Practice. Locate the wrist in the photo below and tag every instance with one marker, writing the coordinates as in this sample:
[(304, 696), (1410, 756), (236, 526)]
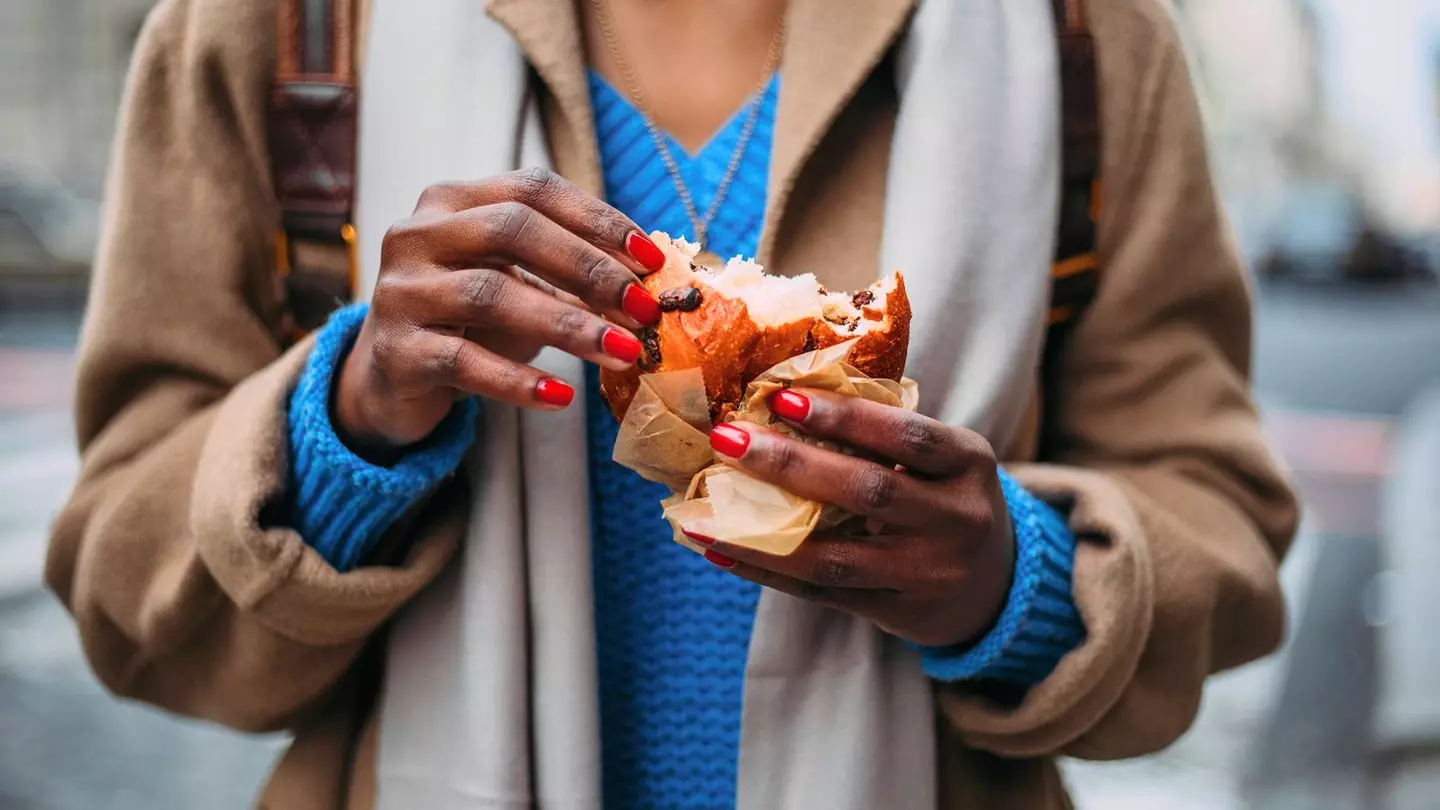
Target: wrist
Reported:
[(993, 591), (993, 578), (364, 413), (348, 412), (1039, 623)]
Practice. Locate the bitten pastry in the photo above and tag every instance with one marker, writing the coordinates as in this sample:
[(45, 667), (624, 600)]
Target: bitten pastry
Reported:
[(736, 323)]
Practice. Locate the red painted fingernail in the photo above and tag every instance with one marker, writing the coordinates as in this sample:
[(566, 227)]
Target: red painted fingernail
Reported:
[(642, 250), (699, 538), (790, 405), (554, 392), (621, 345), (719, 559), (640, 305), (729, 440)]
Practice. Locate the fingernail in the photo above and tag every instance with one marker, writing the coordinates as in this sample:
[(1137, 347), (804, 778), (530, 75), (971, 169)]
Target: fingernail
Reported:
[(640, 305), (552, 391), (642, 250), (719, 559), (699, 538), (790, 405), (621, 345), (729, 440)]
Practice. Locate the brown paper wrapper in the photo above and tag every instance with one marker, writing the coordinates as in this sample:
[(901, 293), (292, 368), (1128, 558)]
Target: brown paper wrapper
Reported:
[(665, 437)]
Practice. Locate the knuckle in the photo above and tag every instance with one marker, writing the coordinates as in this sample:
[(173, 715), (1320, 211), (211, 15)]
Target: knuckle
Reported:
[(400, 240), (613, 225), (483, 292), (439, 196), (503, 224), (975, 448), (596, 270), (921, 437), (838, 567), (385, 352), (875, 489), (510, 378), (534, 185), (783, 458), (390, 291), (446, 363), (573, 326)]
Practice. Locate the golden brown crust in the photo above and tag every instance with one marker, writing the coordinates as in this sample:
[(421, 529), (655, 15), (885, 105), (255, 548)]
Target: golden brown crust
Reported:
[(881, 352), (776, 345)]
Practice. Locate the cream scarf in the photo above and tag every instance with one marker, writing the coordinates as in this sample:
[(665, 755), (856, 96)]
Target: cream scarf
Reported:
[(490, 697)]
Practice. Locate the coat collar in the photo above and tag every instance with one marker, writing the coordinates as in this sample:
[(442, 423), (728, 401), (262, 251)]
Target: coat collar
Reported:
[(831, 46)]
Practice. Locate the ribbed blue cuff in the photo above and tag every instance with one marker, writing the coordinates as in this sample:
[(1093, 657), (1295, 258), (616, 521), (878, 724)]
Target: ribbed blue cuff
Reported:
[(340, 503), (1039, 624)]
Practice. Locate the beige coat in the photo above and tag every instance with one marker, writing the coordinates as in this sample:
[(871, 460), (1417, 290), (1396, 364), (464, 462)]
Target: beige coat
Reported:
[(189, 596)]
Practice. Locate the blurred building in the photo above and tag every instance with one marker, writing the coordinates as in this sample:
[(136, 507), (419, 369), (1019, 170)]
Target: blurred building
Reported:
[(1325, 122), (62, 69)]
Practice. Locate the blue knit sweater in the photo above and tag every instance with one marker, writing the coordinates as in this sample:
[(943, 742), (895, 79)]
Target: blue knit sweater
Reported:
[(672, 630)]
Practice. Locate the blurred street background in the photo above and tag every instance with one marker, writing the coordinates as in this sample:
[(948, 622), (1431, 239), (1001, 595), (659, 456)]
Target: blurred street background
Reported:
[(1325, 123)]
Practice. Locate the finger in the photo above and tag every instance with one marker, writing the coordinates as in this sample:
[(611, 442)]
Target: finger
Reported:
[(827, 561), (494, 300), (919, 443), (425, 359), (545, 286), (859, 602), (856, 485), (512, 233), (580, 213)]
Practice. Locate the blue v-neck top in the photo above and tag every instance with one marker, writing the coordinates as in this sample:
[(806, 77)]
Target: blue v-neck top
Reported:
[(672, 630)]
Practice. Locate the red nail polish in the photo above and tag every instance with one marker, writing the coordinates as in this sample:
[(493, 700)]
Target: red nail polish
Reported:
[(790, 405), (729, 440), (719, 559), (554, 392), (699, 538), (621, 345), (642, 250), (640, 305)]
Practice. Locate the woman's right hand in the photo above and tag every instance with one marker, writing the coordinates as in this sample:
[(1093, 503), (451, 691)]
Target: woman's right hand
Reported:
[(471, 286)]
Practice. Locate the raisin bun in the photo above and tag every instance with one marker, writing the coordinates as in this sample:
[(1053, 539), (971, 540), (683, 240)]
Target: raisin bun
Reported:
[(734, 324)]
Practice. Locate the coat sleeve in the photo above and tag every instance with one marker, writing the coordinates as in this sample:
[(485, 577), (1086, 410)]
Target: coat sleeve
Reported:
[(1180, 510), (186, 592)]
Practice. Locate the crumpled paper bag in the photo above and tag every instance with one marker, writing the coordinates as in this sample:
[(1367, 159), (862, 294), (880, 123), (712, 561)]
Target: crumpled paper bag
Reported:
[(665, 437)]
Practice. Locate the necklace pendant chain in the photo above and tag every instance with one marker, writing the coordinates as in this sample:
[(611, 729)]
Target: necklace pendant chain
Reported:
[(637, 94)]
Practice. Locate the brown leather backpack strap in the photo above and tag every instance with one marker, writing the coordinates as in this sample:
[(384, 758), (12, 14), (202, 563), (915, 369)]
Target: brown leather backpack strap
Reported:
[(312, 130), (1075, 274)]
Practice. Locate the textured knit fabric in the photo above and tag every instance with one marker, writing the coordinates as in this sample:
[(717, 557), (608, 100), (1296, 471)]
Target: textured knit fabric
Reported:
[(181, 416), (670, 626), (671, 629), (340, 503), (1039, 623), (637, 182)]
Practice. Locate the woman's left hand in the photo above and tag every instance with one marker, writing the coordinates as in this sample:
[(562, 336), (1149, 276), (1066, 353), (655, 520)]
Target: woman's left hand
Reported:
[(939, 571)]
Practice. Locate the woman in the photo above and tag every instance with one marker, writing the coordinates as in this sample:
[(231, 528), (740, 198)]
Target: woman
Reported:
[(251, 521)]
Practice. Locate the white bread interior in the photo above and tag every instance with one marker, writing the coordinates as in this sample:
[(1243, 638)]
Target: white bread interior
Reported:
[(749, 320)]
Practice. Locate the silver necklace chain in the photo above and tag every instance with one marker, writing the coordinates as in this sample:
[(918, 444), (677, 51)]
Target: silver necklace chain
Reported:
[(637, 93)]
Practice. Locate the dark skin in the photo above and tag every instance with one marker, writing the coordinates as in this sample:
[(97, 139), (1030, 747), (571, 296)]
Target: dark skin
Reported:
[(934, 567), (453, 313), (662, 41), (488, 272)]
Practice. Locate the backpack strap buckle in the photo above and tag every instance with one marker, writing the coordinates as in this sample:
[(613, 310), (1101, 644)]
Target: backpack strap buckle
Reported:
[(312, 127)]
